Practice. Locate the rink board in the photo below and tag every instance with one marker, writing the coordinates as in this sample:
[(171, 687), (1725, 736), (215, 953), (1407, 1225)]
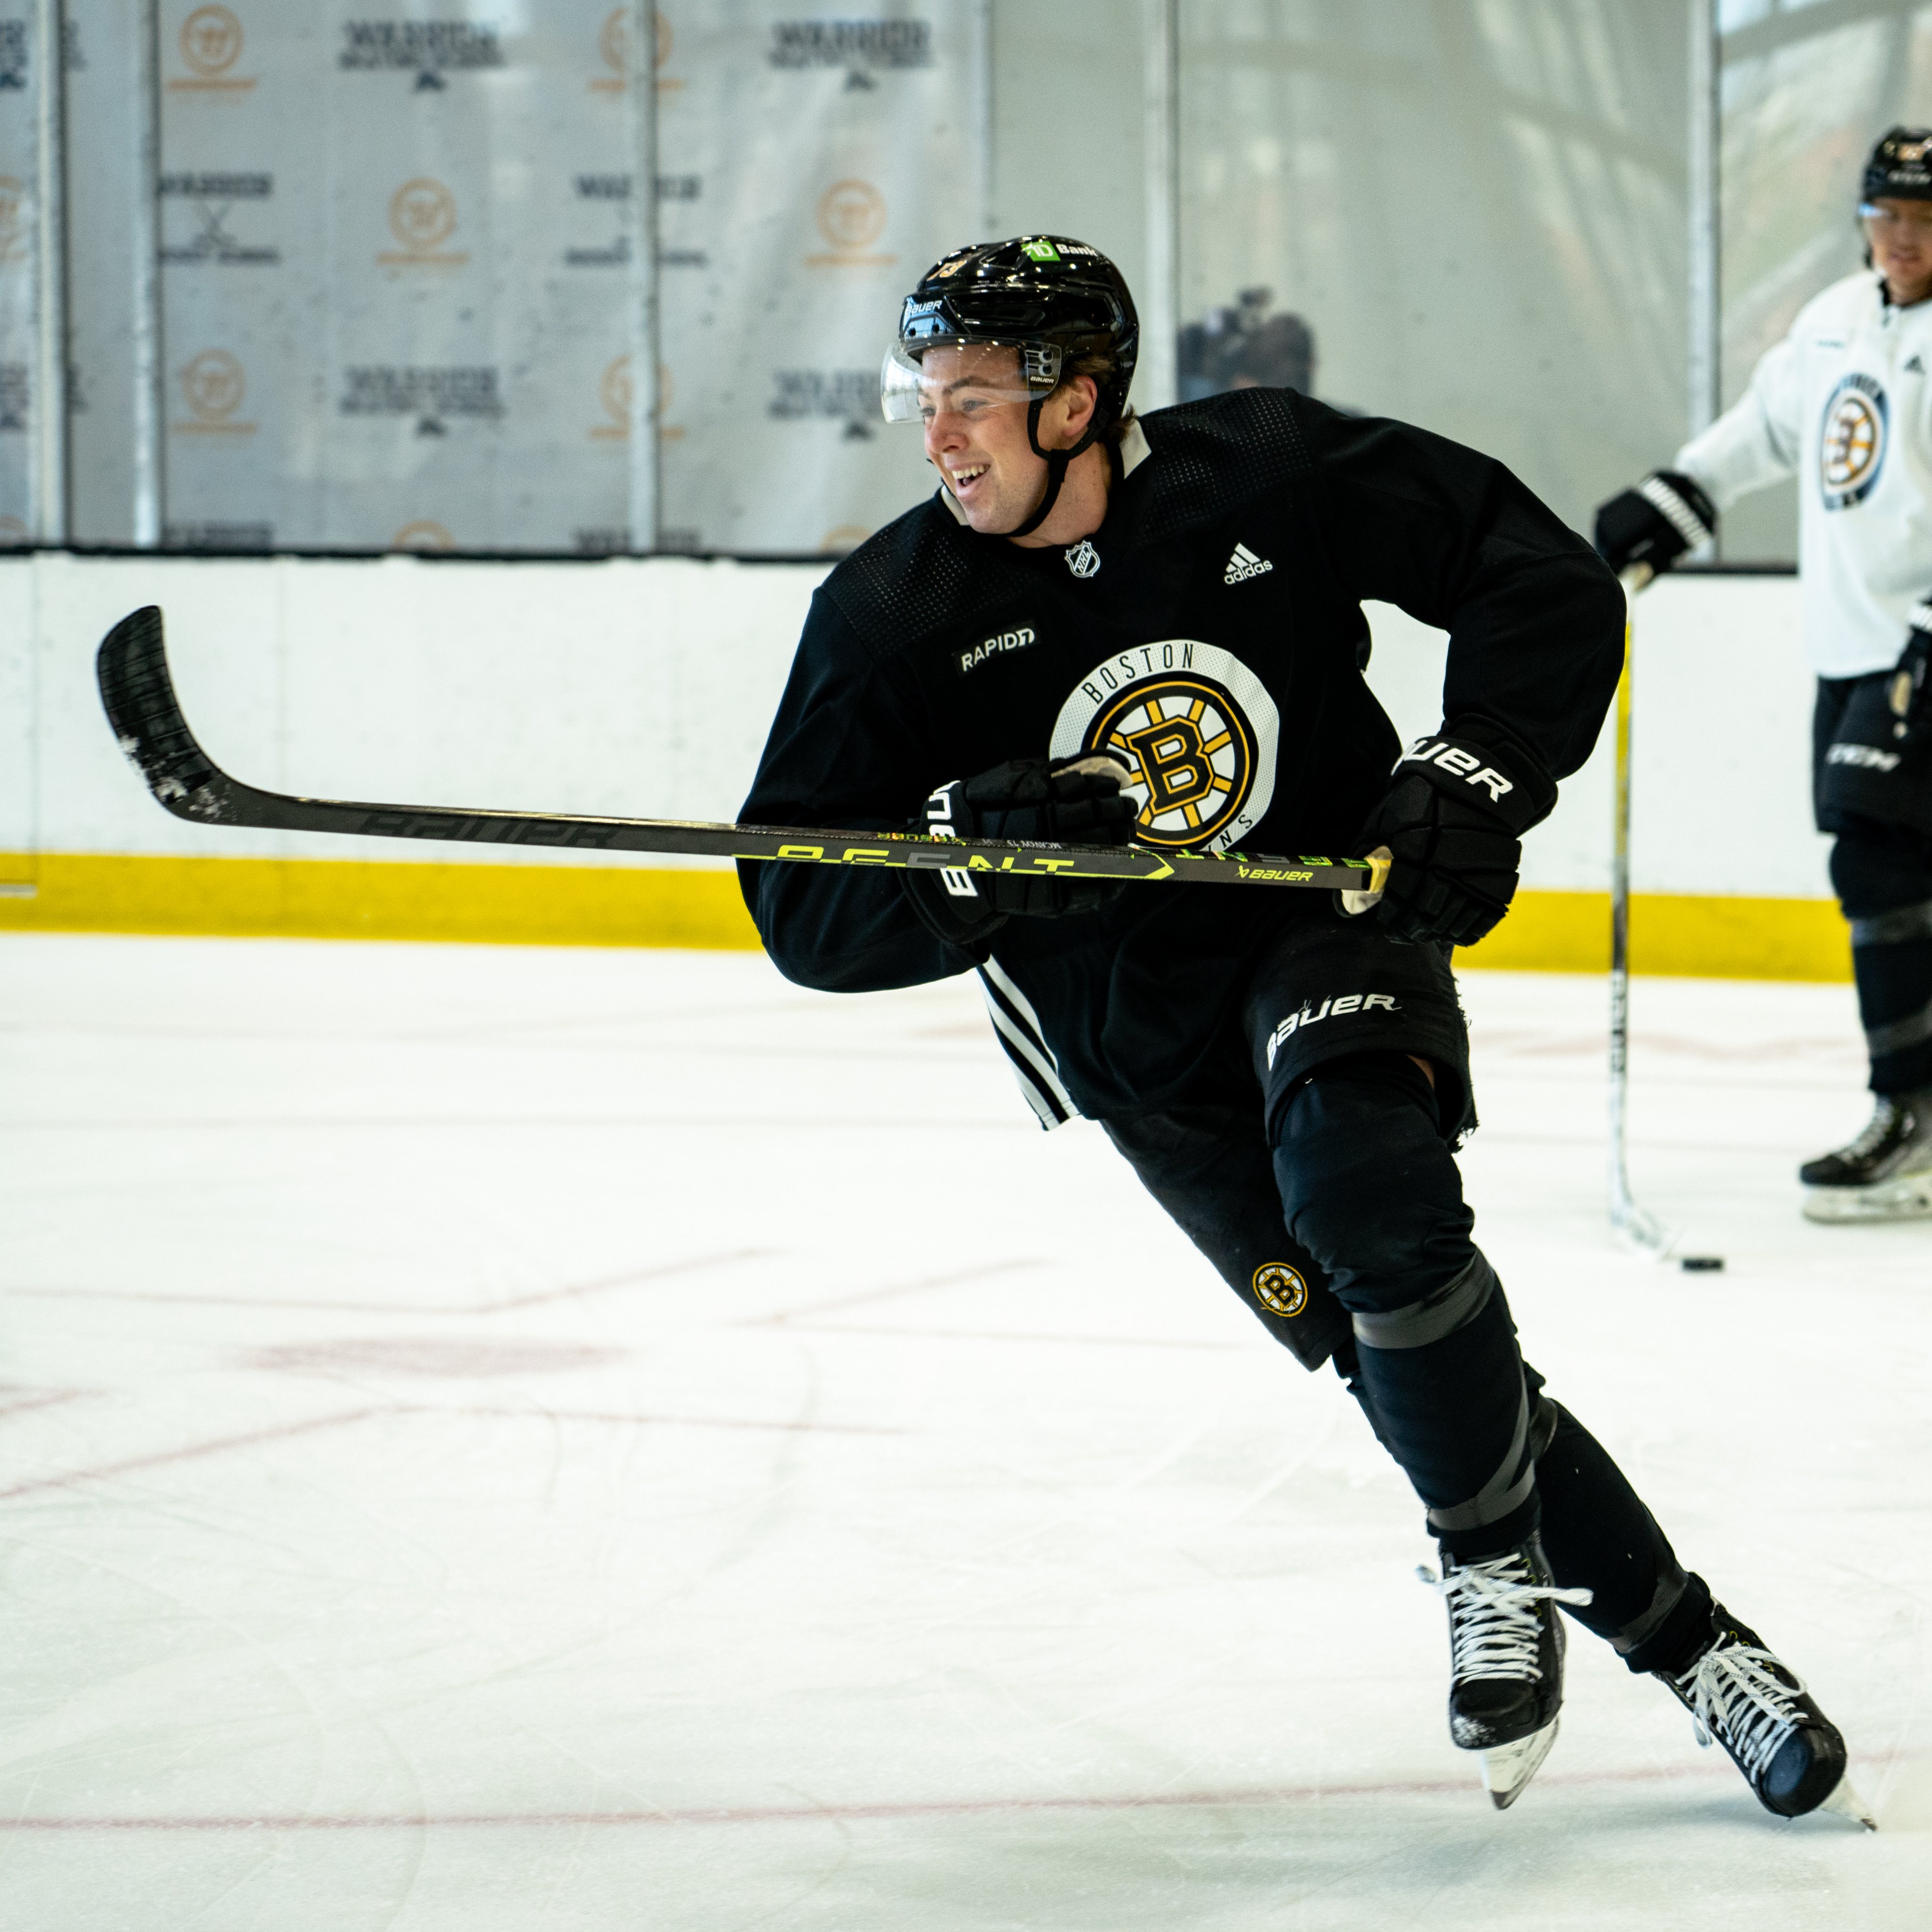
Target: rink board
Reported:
[(644, 687), (296, 898)]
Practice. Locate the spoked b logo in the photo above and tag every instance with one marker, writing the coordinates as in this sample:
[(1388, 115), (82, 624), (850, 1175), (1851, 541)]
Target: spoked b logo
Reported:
[(1196, 730)]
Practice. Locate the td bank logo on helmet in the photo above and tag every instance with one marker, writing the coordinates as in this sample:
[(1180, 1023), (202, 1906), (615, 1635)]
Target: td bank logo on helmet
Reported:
[(1197, 731)]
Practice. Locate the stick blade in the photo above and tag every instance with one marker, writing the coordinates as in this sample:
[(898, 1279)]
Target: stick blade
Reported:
[(139, 693)]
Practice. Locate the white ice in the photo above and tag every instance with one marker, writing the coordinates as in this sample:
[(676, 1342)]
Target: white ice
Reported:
[(510, 1438)]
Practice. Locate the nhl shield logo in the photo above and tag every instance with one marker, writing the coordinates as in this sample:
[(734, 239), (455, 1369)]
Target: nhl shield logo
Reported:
[(1083, 559)]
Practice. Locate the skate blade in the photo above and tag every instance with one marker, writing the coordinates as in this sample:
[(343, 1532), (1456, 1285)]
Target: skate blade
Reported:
[(1848, 1804), (1907, 1199), (1507, 1768)]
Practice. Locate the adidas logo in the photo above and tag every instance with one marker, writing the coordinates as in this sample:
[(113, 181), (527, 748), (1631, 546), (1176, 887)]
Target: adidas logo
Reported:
[(1243, 564)]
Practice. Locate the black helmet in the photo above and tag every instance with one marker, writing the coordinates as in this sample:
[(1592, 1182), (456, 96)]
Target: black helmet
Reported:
[(1049, 298), (1900, 167)]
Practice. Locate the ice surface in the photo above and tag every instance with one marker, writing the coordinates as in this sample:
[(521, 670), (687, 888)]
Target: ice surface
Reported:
[(523, 1439)]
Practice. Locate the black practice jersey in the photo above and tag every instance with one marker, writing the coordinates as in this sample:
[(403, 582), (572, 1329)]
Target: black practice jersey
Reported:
[(1210, 634)]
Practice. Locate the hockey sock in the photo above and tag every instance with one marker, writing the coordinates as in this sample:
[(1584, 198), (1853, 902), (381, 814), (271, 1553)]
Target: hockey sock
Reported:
[(1883, 874), (1598, 1535), (1369, 1187), (1681, 1639), (1894, 983)]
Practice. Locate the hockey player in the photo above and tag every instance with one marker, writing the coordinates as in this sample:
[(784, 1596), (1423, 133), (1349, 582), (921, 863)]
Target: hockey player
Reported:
[(1845, 400), (1099, 629)]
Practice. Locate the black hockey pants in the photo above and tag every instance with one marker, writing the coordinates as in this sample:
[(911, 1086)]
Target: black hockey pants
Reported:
[(1349, 1237)]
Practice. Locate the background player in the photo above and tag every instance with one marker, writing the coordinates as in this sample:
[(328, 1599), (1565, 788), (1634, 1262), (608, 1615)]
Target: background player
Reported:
[(1845, 400), (1087, 600)]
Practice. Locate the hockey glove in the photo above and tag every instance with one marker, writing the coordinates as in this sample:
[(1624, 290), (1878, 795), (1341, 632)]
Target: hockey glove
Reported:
[(1910, 706), (1655, 523), (1453, 821), (1073, 802)]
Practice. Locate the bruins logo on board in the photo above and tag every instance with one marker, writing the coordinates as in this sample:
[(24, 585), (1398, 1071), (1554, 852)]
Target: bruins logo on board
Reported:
[(1851, 451), (1197, 731), (1280, 1289)]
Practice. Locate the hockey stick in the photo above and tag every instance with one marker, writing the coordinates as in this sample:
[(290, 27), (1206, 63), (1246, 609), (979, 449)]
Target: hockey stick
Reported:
[(1636, 1226), (139, 697)]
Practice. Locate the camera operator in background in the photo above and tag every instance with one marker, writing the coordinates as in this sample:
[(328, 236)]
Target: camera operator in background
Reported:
[(1845, 401), (1245, 347)]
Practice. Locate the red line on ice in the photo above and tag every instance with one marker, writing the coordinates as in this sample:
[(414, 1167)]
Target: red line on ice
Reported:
[(806, 1814), (100, 1472), (635, 1277)]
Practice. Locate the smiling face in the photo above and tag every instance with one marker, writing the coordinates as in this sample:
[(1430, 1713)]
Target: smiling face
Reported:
[(973, 403), (1900, 235)]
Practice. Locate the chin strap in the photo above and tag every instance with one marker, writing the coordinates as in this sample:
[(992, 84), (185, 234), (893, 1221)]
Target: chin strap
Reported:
[(1056, 462)]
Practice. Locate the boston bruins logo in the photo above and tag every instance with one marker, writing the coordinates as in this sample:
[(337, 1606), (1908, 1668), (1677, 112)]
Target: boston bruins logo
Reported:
[(1280, 1288), (1851, 451), (1197, 731)]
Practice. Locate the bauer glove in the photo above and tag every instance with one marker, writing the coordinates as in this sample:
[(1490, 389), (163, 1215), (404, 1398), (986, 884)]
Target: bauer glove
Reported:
[(1070, 802), (1655, 523), (1453, 822), (1906, 691)]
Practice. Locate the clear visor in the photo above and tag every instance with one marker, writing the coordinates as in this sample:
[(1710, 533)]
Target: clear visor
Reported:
[(1902, 218), (919, 381)]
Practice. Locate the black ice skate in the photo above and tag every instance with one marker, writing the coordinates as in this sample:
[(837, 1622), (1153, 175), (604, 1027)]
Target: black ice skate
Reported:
[(1886, 1174), (1505, 1661), (1792, 1755)]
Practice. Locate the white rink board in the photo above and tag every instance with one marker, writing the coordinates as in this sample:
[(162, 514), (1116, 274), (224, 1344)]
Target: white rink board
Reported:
[(645, 688), (460, 1477)]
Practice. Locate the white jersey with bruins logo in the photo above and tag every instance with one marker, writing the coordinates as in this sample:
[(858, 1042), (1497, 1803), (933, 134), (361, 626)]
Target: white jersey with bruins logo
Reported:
[(1844, 400)]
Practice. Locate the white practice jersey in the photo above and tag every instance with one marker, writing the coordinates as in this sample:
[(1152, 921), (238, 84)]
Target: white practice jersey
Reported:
[(1845, 400)]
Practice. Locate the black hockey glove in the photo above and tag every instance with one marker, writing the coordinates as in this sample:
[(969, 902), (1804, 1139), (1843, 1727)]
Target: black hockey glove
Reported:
[(1655, 523), (1453, 821), (1907, 693), (1071, 801)]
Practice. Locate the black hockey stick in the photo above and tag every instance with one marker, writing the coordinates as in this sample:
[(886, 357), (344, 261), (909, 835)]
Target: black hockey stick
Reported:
[(139, 695)]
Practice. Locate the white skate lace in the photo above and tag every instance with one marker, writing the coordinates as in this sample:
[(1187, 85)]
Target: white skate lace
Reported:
[(1871, 1136), (1736, 1696), (1494, 1629)]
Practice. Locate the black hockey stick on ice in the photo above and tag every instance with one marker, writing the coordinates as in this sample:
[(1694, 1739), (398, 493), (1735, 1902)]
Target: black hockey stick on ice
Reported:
[(139, 695)]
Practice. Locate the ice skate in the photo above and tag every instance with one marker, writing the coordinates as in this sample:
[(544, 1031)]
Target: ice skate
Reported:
[(1745, 1698), (1506, 1662), (1886, 1174)]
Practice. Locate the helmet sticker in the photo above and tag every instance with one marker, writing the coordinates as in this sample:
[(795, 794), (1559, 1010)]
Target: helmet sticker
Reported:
[(1041, 250), (1196, 730), (1852, 444)]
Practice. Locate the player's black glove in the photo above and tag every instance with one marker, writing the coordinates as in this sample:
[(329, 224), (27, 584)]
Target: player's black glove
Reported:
[(1911, 705), (1453, 821), (1655, 523), (1070, 801)]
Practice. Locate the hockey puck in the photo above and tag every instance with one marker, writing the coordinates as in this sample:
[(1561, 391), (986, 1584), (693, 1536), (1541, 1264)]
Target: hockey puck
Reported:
[(1703, 1264)]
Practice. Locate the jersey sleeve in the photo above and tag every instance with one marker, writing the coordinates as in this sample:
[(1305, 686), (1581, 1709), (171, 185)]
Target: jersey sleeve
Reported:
[(842, 751), (1756, 440), (1535, 618)]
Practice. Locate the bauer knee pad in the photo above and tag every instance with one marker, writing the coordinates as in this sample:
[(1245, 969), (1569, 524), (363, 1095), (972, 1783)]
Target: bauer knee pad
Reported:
[(1368, 1184)]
